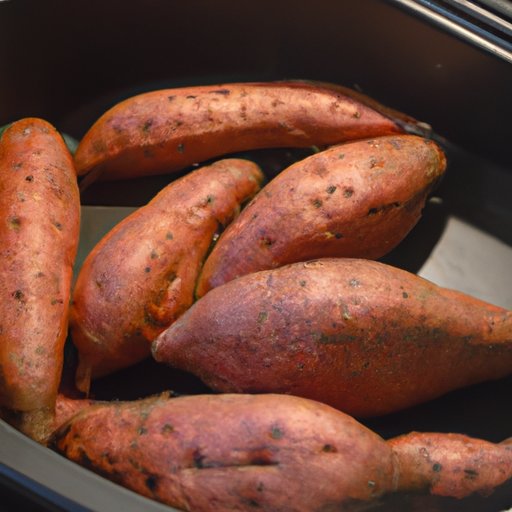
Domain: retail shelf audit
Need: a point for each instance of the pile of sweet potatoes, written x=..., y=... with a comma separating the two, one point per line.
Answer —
x=267, y=289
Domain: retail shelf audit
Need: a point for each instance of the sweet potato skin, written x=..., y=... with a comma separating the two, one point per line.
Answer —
x=354, y=334
x=39, y=226
x=355, y=200
x=167, y=130
x=452, y=465
x=233, y=452
x=140, y=277
x=272, y=452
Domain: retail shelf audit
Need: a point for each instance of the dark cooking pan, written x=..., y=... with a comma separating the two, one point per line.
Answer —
x=445, y=63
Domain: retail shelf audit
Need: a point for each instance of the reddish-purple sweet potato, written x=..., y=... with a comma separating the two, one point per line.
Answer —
x=167, y=130
x=39, y=225
x=140, y=277
x=270, y=452
x=355, y=200
x=362, y=336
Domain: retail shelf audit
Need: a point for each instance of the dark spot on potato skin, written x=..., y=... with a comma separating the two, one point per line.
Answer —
x=18, y=295
x=383, y=208
x=266, y=241
x=14, y=223
x=147, y=125
x=152, y=482
x=198, y=459
x=472, y=474
x=276, y=433
x=84, y=459
x=29, y=178
x=222, y=92
x=437, y=467
x=167, y=429
x=329, y=448
x=262, y=317
x=331, y=189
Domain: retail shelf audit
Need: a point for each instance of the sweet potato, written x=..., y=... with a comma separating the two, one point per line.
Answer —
x=357, y=200
x=167, y=130
x=362, y=336
x=40, y=215
x=140, y=277
x=270, y=452
x=37, y=424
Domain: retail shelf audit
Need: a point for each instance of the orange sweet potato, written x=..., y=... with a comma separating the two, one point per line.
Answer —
x=167, y=130
x=360, y=335
x=357, y=200
x=269, y=452
x=40, y=215
x=140, y=277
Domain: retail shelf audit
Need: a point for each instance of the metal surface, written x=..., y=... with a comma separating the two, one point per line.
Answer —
x=471, y=32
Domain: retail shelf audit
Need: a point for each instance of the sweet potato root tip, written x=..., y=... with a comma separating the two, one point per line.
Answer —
x=451, y=464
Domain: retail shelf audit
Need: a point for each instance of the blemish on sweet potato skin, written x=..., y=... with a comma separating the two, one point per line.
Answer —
x=38, y=243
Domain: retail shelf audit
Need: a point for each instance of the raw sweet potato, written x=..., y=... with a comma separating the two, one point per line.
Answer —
x=167, y=130
x=39, y=225
x=270, y=452
x=357, y=200
x=362, y=336
x=140, y=277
